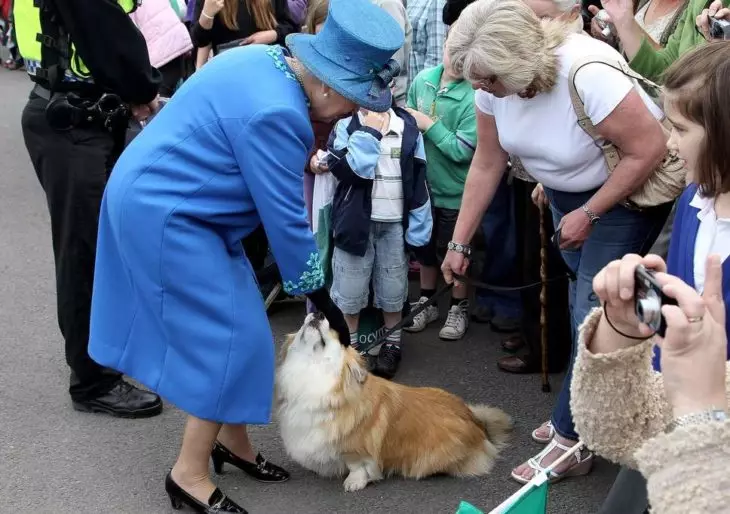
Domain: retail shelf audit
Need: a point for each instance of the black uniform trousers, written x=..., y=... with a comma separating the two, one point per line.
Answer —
x=73, y=167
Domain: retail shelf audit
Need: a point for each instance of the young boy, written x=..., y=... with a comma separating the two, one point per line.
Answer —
x=380, y=209
x=443, y=106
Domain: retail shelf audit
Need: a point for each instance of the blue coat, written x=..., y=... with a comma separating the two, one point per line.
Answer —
x=680, y=261
x=176, y=305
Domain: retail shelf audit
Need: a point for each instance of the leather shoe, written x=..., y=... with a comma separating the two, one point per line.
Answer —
x=517, y=365
x=123, y=401
x=513, y=343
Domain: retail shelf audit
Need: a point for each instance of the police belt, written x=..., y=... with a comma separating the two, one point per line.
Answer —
x=68, y=110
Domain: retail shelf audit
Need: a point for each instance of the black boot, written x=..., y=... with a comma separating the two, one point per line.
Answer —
x=123, y=401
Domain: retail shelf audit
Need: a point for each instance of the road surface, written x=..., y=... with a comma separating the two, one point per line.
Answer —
x=55, y=460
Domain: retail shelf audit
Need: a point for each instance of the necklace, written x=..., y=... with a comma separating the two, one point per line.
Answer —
x=299, y=75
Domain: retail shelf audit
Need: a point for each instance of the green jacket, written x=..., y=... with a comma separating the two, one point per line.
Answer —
x=451, y=140
x=652, y=63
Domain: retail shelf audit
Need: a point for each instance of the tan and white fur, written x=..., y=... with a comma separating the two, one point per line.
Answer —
x=337, y=418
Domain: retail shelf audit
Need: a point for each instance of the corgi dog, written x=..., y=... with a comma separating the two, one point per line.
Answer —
x=337, y=419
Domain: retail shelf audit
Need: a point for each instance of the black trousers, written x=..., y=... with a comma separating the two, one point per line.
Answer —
x=527, y=221
x=73, y=167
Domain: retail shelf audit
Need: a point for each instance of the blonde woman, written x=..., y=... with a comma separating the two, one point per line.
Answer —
x=520, y=65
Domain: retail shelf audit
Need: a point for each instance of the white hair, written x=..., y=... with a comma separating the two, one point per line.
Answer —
x=505, y=39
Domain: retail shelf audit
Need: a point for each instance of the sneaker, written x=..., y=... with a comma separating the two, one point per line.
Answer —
x=388, y=361
x=456, y=322
x=426, y=316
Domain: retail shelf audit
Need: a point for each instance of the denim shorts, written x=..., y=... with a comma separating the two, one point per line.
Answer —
x=384, y=263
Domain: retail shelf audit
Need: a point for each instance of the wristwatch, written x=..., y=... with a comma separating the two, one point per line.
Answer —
x=698, y=418
x=592, y=216
x=463, y=249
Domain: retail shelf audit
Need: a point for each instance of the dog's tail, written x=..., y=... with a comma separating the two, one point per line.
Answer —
x=497, y=424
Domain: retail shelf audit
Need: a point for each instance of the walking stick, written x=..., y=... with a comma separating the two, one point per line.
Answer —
x=543, y=300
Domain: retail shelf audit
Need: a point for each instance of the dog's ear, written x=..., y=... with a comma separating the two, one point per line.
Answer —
x=356, y=370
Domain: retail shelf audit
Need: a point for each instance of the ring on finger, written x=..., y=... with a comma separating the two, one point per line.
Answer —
x=694, y=319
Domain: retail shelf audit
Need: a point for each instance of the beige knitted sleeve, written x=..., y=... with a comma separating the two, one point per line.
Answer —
x=687, y=469
x=617, y=399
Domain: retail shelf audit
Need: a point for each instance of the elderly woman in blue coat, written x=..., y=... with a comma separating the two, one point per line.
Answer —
x=176, y=305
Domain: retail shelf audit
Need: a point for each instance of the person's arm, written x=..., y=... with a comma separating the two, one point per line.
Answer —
x=485, y=173
x=271, y=149
x=112, y=48
x=356, y=155
x=286, y=24
x=617, y=400
x=420, y=217
x=458, y=145
x=642, y=144
x=686, y=470
x=202, y=56
x=453, y=9
x=204, y=20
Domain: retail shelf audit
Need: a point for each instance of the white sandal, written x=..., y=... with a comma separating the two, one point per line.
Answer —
x=542, y=440
x=583, y=461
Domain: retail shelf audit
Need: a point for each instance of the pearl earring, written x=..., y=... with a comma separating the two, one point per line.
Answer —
x=325, y=95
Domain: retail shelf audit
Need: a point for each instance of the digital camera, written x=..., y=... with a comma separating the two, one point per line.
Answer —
x=719, y=29
x=649, y=299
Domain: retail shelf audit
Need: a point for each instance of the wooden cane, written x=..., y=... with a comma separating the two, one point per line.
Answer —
x=543, y=300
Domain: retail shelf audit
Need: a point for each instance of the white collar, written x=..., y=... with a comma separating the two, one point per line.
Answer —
x=705, y=205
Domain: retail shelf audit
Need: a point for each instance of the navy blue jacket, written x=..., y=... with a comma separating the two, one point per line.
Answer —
x=356, y=149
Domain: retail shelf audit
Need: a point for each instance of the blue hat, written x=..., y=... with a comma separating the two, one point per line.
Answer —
x=352, y=53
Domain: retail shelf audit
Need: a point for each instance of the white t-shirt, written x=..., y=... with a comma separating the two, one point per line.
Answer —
x=387, y=194
x=543, y=131
x=713, y=236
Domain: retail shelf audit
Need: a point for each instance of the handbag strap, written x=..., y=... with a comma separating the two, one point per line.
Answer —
x=610, y=152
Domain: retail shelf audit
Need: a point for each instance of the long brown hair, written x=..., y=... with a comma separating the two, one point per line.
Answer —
x=262, y=11
x=698, y=85
x=316, y=13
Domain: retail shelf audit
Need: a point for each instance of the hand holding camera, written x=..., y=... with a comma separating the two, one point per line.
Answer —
x=714, y=22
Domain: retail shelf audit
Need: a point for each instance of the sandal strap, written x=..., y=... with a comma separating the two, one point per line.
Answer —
x=536, y=462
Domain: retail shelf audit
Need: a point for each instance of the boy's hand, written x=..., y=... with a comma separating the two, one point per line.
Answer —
x=423, y=121
x=376, y=120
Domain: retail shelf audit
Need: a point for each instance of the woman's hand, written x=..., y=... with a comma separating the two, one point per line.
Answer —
x=538, y=196
x=597, y=30
x=614, y=285
x=575, y=227
x=264, y=37
x=716, y=10
x=694, y=348
x=423, y=121
x=212, y=7
x=454, y=262
x=621, y=12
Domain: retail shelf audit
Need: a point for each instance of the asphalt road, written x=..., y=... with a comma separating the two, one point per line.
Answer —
x=54, y=460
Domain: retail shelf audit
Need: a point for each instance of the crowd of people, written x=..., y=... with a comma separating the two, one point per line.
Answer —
x=427, y=135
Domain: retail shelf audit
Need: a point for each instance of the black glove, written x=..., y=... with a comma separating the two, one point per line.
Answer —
x=324, y=304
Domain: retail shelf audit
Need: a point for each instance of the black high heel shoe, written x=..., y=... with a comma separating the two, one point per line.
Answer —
x=217, y=503
x=262, y=470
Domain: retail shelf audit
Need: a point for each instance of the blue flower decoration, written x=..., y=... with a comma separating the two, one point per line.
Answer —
x=276, y=53
x=311, y=280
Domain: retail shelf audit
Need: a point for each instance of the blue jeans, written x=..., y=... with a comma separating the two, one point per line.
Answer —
x=384, y=264
x=619, y=231
x=500, y=266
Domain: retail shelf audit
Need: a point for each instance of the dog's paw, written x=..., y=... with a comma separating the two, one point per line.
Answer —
x=356, y=481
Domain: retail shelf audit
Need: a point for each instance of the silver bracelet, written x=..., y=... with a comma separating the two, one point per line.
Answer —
x=206, y=15
x=698, y=418
x=463, y=249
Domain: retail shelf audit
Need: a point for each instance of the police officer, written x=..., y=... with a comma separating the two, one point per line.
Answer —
x=91, y=71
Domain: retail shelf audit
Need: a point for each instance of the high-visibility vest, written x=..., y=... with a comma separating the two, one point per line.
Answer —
x=30, y=39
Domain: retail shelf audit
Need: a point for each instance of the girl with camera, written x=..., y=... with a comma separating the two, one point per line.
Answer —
x=620, y=404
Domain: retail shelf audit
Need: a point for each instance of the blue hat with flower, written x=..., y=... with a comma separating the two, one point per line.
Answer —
x=353, y=52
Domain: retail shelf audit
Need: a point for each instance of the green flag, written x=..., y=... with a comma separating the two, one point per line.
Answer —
x=530, y=499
